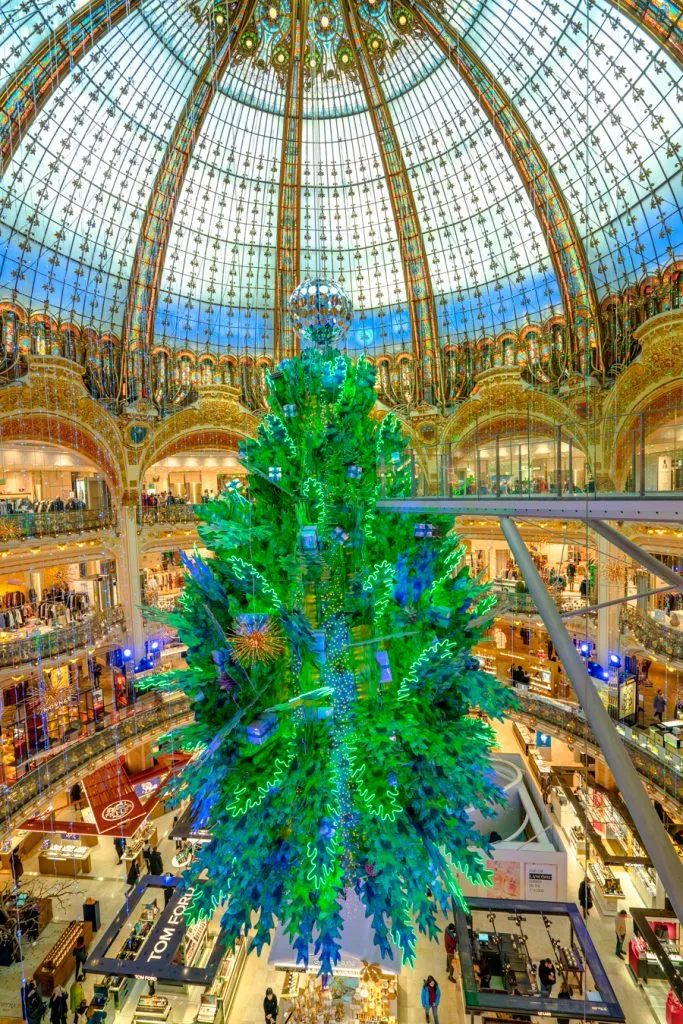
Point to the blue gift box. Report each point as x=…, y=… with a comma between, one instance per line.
x=382, y=658
x=261, y=728
x=289, y=411
x=424, y=530
x=309, y=538
x=275, y=473
x=353, y=471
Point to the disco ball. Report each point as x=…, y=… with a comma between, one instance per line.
x=317, y=306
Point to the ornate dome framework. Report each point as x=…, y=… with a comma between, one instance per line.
x=171, y=171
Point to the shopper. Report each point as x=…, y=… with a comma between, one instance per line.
x=80, y=955
x=133, y=874
x=32, y=1005
x=81, y=1013
x=431, y=997
x=120, y=847
x=15, y=865
x=156, y=864
x=585, y=897
x=571, y=573
x=450, y=940
x=546, y=976
x=564, y=993
x=76, y=795
x=147, y=854
x=270, y=1006
x=178, y=842
x=659, y=705
x=620, y=931
x=59, y=1006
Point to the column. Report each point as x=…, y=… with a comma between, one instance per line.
x=130, y=592
x=609, y=586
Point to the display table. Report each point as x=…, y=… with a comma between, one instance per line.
x=60, y=962
x=20, y=842
x=133, y=851
x=524, y=736
x=65, y=860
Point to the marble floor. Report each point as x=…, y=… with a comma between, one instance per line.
x=107, y=884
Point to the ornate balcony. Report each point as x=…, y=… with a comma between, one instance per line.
x=29, y=525
x=166, y=514
x=654, y=636
x=92, y=630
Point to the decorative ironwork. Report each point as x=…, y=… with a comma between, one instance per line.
x=40, y=74
x=60, y=641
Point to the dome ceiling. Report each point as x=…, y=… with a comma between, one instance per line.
x=460, y=168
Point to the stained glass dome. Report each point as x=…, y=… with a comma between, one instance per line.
x=171, y=171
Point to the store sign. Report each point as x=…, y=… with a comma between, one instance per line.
x=543, y=739
x=155, y=959
x=541, y=881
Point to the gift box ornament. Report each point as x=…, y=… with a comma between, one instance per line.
x=354, y=471
x=339, y=535
x=320, y=645
x=275, y=474
x=382, y=659
x=440, y=616
x=395, y=458
x=234, y=485
x=289, y=411
x=424, y=530
x=261, y=728
x=309, y=538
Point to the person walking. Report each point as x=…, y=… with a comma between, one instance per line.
x=585, y=897
x=16, y=867
x=156, y=864
x=270, y=1006
x=59, y=1006
x=147, y=854
x=32, y=1005
x=571, y=573
x=80, y=955
x=546, y=976
x=564, y=993
x=431, y=997
x=76, y=795
x=133, y=874
x=659, y=705
x=620, y=932
x=120, y=847
x=450, y=940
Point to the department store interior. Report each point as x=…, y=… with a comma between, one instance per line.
x=481, y=202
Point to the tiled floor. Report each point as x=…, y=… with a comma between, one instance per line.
x=108, y=886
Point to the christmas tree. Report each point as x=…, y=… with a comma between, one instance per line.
x=331, y=677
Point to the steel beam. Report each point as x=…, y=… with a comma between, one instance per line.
x=639, y=554
x=562, y=236
x=38, y=76
x=288, y=249
x=662, y=22
x=652, y=832
x=418, y=280
x=584, y=507
x=150, y=252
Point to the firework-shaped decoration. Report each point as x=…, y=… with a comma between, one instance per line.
x=256, y=638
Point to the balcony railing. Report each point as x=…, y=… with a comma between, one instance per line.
x=153, y=714
x=178, y=513
x=660, y=765
x=71, y=638
x=28, y=525
x=654, y=636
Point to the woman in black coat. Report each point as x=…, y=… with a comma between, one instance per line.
x=585, y=896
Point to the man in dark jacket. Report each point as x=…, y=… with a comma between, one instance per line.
x=546, y=976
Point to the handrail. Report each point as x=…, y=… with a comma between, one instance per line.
x=60, y=641
x=655, y=636
x=657, y=764
x=25, y=525
x=157, y=712
x=178, y=513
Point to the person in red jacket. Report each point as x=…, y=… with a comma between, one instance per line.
x=450, y=939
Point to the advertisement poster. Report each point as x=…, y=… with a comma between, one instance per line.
x=506, y=878
x=541, y=881
x=627, y=699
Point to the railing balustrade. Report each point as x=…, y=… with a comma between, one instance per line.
x=30, y=525
x=66, y=640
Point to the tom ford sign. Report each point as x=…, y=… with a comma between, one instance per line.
x=155, y=959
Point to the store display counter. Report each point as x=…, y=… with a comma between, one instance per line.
x=115, y=987
x=60, y=962
x=20, y=841
x=524, y=736
x=607, y=891
x=134, y=846
x=65, y=860
x=217, y=1001
x=152, y=1010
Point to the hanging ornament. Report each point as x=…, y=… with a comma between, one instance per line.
x=309, y=538
x=354, y=471
x=261, y=728
x=256, y=638
x=424, y=530
x=289, y=411
x=275, y=474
